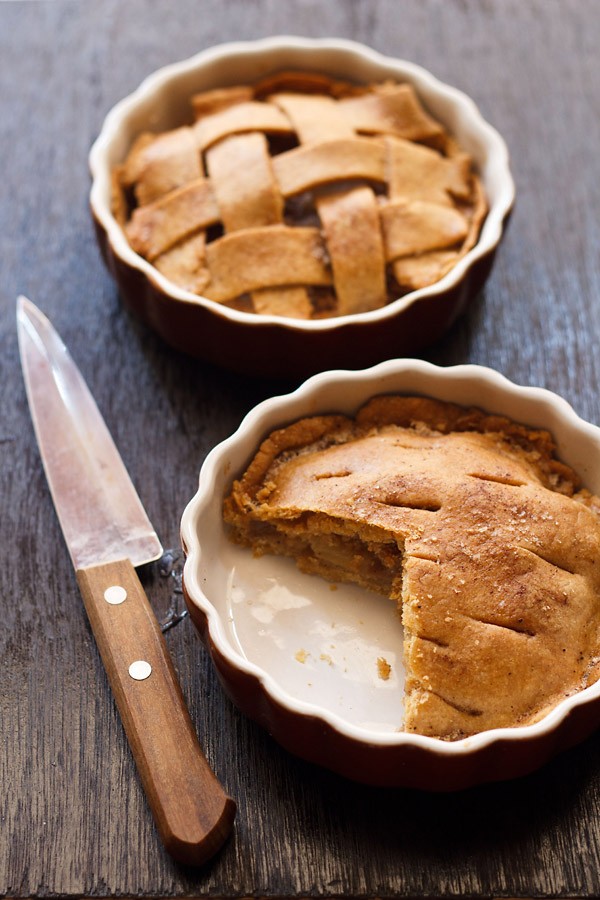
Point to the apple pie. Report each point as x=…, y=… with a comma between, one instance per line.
x=469, y=523
x=301, y=196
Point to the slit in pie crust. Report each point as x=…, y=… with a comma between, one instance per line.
x=469, y=523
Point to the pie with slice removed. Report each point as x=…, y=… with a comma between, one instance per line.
x=469, y=523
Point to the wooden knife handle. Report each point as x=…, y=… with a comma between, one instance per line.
x=193, y=814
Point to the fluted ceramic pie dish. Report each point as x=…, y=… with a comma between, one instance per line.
x=280, y=345
x=299, y=657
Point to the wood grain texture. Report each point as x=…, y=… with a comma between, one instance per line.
x=193, y=815
x=73, y=818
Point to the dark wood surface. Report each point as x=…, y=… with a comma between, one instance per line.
x=73, y=820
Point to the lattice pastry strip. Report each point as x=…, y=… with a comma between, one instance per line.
x=349, y=216
x=412, y=227
x=276, y=255
x=159, y=164
x=306, y=168
x=155, y=228
x=249, y=116
x=246, y=192
x=356, y=200
x=209, y=102
x=248, y=197
x=350, y=221
x=392, y=109
x=416, y=172
x=414, y=272
x=316, y=118
x=185, y=263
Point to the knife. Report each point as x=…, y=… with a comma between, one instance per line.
x=108, y=533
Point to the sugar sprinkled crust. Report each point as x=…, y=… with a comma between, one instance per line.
x=469, y=522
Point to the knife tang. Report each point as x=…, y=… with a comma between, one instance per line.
x=192, y=812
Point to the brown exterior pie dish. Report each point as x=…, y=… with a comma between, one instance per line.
x=419, y=484
x=283, y=205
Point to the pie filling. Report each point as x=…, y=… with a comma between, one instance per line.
x=469, y=523
x=327, y=547
x=301, y=196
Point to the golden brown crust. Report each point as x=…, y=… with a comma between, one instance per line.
x=394, y=202
x=469, y=522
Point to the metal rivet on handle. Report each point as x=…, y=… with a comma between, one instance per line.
x=115, y=594
x=140, y=669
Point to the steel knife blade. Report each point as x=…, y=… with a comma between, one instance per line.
x=108, y=533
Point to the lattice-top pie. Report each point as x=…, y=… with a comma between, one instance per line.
x=470, y=523
x=301, y=196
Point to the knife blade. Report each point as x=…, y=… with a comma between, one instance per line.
x=108, y=534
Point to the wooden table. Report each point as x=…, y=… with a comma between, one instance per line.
x=73, y=820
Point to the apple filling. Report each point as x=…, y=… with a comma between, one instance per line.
x=469, y=523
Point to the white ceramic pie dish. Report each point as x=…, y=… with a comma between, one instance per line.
x=300, y=658
x=278, y=346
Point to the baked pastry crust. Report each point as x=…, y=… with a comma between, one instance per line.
x=470, y=523
x=301, y=196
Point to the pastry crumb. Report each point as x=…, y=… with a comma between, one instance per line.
x=301, y=656
x=384, y=670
